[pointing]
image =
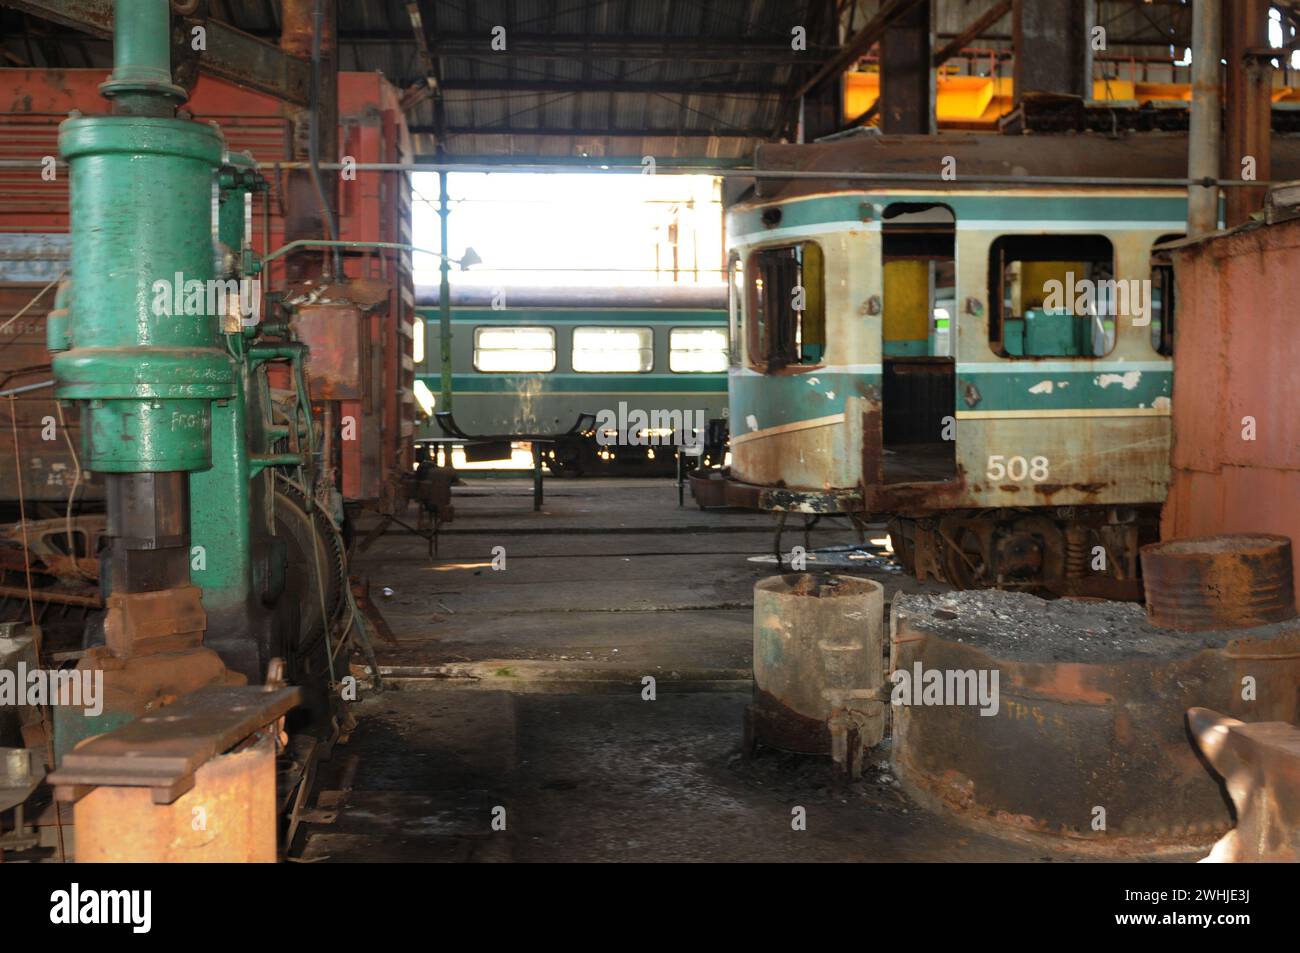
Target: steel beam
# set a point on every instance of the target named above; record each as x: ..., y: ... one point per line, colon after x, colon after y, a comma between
x: 976, y: 29
x: 861, y: 42
x: 1053, y: 48
x: 231, y: 54
x: 1248, y: 109
x: 906, y: 83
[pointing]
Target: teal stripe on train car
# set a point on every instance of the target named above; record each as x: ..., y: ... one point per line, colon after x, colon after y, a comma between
x: 786, y: 399
x: 1016, y: 210
x: 540, y: 384
x: 579, y: 316
x: 1103, y: 388
x: 1055, y: 387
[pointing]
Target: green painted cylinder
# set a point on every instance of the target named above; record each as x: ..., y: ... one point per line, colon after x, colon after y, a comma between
x: 146, y: 348
x: 142, y: 74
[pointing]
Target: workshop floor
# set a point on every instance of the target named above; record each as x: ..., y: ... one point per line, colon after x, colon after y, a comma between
x: 520, y: 689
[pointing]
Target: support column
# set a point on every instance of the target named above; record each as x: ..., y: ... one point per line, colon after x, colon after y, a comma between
x: 1248, y: 88
x: 1053, y: 48
x: 1205, y: 131
x: 906, y: 80
x: 304, y: 215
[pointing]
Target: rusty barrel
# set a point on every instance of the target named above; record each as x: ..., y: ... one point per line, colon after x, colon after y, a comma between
x: 818, y: 664
x: 1219, y: 582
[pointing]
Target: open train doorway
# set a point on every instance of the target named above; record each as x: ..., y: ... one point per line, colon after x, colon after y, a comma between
x: 918, y: 343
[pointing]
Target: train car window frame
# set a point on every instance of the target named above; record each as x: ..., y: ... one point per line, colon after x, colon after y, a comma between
x: 478, y: 332
x: 1062, y: 249
x: 1164, y: 316
x: 735, y: 308
x: 726, y: 349
x: 647, y: 348
x: 790, y: 335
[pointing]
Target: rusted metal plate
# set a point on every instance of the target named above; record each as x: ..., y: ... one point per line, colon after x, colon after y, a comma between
x: 228, y: 816
x: 1219, y: 582
x: 1260, y: 766
x: 334, y: 338
x: 162, y: 751
x: 1236, y: 448
x: 1085, y: 738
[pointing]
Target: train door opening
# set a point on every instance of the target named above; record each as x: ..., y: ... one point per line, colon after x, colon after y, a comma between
x: 919, y: 386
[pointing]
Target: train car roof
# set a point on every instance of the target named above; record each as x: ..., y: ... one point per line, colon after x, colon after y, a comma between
x: 1081, y: 155
x: 646, y: 297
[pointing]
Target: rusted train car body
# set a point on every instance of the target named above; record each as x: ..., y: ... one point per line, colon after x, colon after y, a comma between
x: 363, y: 366
x: 898, y: 353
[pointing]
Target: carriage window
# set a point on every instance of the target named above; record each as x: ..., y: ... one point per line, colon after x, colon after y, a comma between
x: 735, y: 306
x: 1162, y: 297
x: 697, y: 350
x: 1054, y: 296
x: 514, y: 350
x: 613, y: 350
x: 787, y: 306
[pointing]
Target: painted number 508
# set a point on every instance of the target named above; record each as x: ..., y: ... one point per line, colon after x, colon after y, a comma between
x: 1017, y: 468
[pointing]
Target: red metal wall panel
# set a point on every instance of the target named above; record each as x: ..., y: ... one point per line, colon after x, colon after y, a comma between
x: 1237, y: 344
x: 374, y: 206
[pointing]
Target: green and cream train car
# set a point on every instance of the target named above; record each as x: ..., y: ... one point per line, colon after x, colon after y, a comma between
x: 987, y: 366
x: 558, y: 363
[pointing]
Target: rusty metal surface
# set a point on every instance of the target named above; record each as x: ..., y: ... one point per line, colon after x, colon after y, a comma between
x: 708, y: 489
x: 1144, y: 155
x: 146, y: 623
x: 1089, y: 716
x: 228, y: 816
x: 230, y: 53
x: 818, y: 665
x: 1260, y: 766
x: 1248, y: 107
x: 335, y: 342
x: 1236, y: 348
x: 162, y: 751
x: 1219, y: 582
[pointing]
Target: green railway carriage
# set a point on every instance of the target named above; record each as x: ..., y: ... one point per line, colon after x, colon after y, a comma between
x: 553, y: 362
x: 987, y: 366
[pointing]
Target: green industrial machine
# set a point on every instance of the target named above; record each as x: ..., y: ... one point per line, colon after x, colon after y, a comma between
x: 219, y: 557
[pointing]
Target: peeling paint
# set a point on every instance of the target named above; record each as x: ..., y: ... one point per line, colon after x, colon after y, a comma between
x: 1128, y: 380
x: 1042, y: 387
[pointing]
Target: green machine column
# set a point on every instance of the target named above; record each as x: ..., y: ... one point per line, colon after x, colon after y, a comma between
x: 145, y: 354
x: 141, y: 353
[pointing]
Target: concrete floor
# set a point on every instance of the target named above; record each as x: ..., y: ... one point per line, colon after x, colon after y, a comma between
x: 521, y: 689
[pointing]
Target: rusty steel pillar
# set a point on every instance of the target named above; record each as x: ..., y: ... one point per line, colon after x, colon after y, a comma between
x: 1248, y: 112
x: 906, y: 79
x: 305, y: 218
x: 1218, y: 582
x: 818, y: 667
x: 1053, y: 52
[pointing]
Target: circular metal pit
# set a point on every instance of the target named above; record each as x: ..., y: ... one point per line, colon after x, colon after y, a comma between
x: 1084, y: 737
x: 818, y: 665
x: 1219, y: 582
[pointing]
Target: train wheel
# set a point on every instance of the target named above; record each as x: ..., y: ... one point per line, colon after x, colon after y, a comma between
x: 968, y: 553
